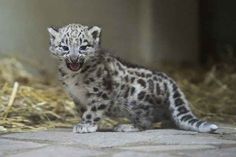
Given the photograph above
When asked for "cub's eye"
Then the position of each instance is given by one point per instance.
(65, 48)
(83, 47)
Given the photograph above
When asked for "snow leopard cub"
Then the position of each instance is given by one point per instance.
(101, 84)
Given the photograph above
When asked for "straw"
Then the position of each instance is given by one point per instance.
(11, 101)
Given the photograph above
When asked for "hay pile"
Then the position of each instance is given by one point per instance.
(26, 102)
(29, 102)
(23, 107)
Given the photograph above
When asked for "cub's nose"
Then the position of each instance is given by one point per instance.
(74, 58)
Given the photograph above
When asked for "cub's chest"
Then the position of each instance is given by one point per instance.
(75, 88)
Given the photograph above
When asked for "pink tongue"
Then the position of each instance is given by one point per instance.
(74, 66)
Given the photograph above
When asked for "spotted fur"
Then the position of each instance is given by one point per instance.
(101, 84)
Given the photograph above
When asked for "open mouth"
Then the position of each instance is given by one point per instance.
(74, 66)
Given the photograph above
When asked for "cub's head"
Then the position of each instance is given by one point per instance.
(74, 43)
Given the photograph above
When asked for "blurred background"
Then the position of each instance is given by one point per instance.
(147, 31)
(192, 40)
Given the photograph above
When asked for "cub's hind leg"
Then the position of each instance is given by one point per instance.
(126, 128)
(140, 114)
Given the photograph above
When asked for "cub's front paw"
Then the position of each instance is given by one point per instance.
(85, 128)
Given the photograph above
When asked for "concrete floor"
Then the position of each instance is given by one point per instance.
(160, 143)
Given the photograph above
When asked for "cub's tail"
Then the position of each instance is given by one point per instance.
(181, 113)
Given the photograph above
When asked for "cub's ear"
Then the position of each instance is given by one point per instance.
(53, 32)
(95, 31)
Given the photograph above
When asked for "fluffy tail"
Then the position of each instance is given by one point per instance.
(181, 113)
